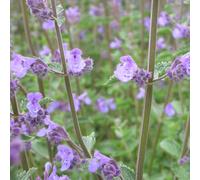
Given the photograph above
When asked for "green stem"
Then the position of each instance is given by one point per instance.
(159, 127)
(148, 94)
(142, 31)
(68, 85)
(186, 138)
(26, 26)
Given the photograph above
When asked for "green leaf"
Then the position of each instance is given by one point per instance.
(60, 16)
(126, 172)
(23, 175)
(55, 66)
(171, 147)
(89, 141)
(40, 148)
(182, 172)
(45, 101)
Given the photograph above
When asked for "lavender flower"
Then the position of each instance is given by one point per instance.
(163, 19)
(126, 69)
(141, 77)
(33, 103)
(56, 105)
(181, 31)
(68, 157)
(55, 133)
(116, 44)
(104, 105)
(96, 10)
(184, 160)
(160, 44)
(84, 98)
(40, 9)
(77, 103)
(106, 165)
(169, 110)
(141, 93)
(45, 51)
(73, 15)
(15, 128)
(16, 147)
(54, 176)
(88, 65)
(13, 87)
(39, 68)
(20, 64)
(180, 68)
(48, 25)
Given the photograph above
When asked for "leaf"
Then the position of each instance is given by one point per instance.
(171, 147)
(45, 101)
(55, 66)
(60, 16)
(126, 172)
(182, 172)
(23, 175)
(89, 141)
(40, 148)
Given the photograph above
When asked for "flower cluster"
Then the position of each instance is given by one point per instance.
(107, 166)
(181, 31)
(48, 25)
(128, 70)
(39, 68)
(115, 44)
(105, 105)
(180, 68)
(53, 175)
(73, 15)
(76, 64)
(79, 101)
(54, 132)
(184, 160)
(20, 64)
(160, 43)
(68, 157)
(163, 19)
(40, 9)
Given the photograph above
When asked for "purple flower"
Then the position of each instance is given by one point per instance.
(114, 25)
(45, 51)
(68, 157)
(181, 31)
(180, 68)
(39, 68)
(141, 77)
(84, 98)
(54, 176)
(57, 56)
(73, 15)
(20, 64)
(40, 9)
(160, 44)
(140, 94)
(184, 160)
(106, 165)
(163, 19)
(100, 29)
(56, 105)
(55, 133)
(48, 25)
(77, 103)
(169, 110)
(33, 103)
(16, 147)
(104, 105)
(147, 23)
(126, 69)
(13, 87)
(75, 62)
(96, 10)
(116, 44)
